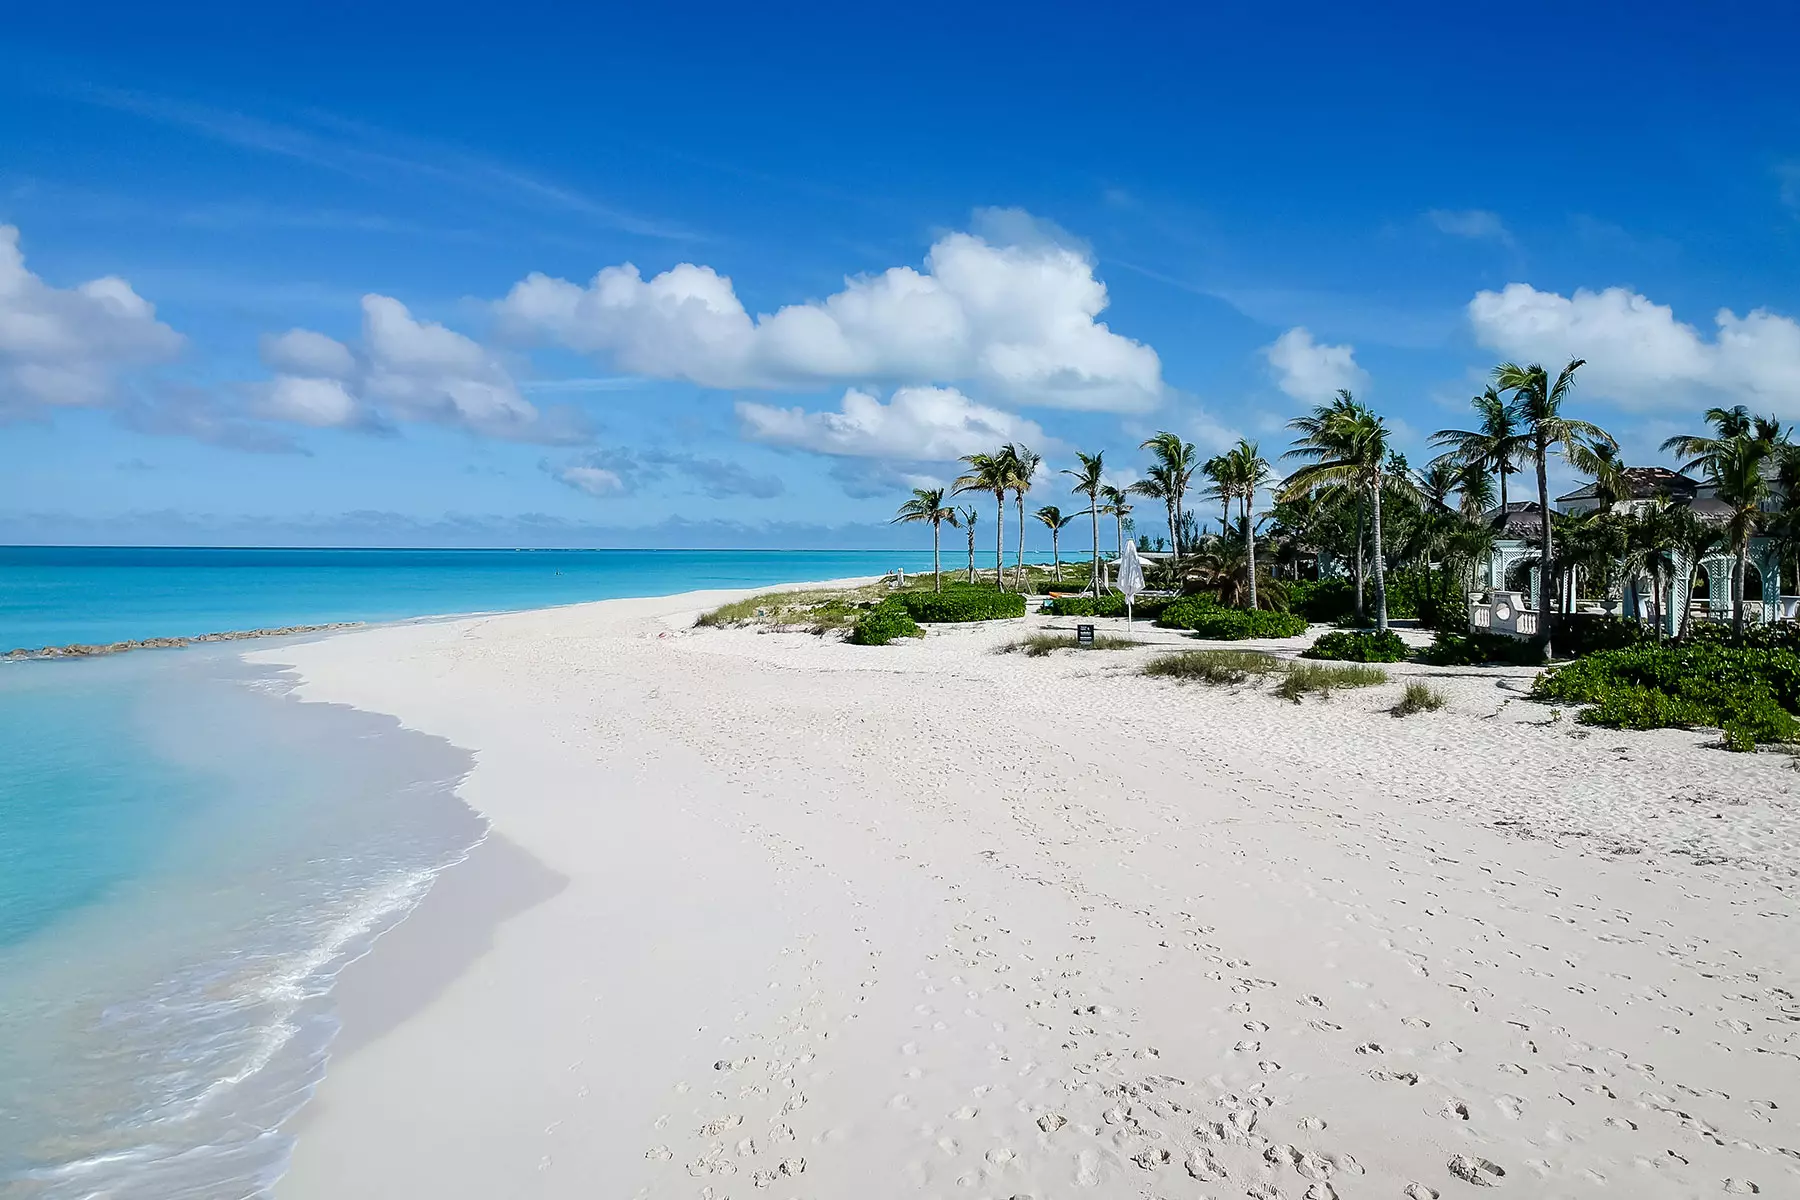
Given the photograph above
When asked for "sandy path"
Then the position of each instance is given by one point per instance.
(928, 921)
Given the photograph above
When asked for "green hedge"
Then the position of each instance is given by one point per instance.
(1208, 620)
(1581, 634)
(1752, 695)
(1322, 600)
(1478, 648)
(1345, 646)
(1110, 605)
(882, 624)
(962, 604)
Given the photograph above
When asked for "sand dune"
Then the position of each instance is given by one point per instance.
(816, 920)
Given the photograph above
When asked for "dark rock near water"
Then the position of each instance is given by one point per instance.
(171, 643)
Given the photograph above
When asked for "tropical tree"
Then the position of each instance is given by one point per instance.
(1337, 433)
(1475, 492)
(1652, 537)
(1088, 482)
(1693, 537)
(964, 518)
(1055, 520)
(927, 504)
(1158, 484)
(1118, 507)
(1217, 470)
(1023, 465)
(1177, 460)
(1246, 472)
(1738, 460)
(1544, 429)
(1493, 445)
(990, 473)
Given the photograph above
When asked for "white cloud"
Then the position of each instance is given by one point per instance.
(409, 370)
(1017, 316)
(595, 481)
(621, 472)
(1476, 224)
(918, 424)
(1308, 371)
(1638, 354)
(67, 346)
(303, 352)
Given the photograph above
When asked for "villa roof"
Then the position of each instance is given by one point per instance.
(1519, 516)
(1644, 482)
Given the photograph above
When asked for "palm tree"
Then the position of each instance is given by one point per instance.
(1216, 469)
(1247, 471)
(1494, 446)
(1651, 541)
(1735, 461)
(1088, 483)
(1023, 465)
(1118, 507)
(1326, 435)
(1348, 446)
(964, 518)
(991, 473)
(927, 504)
(1178, 462)
(1544, 428)
(1693, 537)
(1475, 492)
(1158, 484)
(1056, 522)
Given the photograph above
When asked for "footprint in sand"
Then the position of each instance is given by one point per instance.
(1510, 1106)
(1478, 1171)
(1418, 1191)
(1456, 1108)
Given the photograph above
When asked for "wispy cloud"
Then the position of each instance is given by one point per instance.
(364, 152)
(1475, 224)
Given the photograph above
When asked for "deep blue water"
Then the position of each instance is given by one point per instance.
(56, 596)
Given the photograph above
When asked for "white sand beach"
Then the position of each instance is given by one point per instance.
(768, 914)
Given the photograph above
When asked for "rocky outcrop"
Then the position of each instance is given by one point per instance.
(171, 643)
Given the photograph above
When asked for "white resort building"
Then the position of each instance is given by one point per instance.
(1509, 580)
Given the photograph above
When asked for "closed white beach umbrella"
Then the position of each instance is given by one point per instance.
(1131, 576)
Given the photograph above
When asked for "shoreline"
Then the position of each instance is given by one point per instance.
(768, 909)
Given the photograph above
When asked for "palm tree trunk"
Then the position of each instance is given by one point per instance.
(1546, 552)
(937, 565)
(1056, 552)
(1737, 587)
(1094, 517)
(971, 554)
(1356, 568)
(1019, 562)
(1250, 551)
(1381, 620)
(1503, 474)
(1000, 541)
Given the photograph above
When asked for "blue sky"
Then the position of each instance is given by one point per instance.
(940, 228)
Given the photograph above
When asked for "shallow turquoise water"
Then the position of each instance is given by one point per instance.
(56, 596)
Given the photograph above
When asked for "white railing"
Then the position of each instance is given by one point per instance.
(1502, 612)
(1481, 616)
(1526, 625)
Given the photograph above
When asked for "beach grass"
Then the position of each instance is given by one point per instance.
(1213, 666)
(817, 609)
(1040, 644)
(1417, 698)
(1320, 679)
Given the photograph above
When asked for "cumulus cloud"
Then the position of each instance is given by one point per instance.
(1476, 224)
(407, 370)
(1639, 354)
(1014, 311)
(622, 472)
(1307, 370)
(68, 346)
(917, 424)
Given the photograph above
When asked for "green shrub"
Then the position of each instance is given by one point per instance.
(882, 624)
(1359, 647)
(1315, 678)
(1581, 634)
(1776, 635)
(1478, 648)
(1751, 694)
(1213, 666)
(1112, 604)
(1213, 623)
(962, 604)
(1040, 644)
(1322, 601)
(1418, 697)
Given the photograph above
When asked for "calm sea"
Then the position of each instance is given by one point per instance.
(188, 854)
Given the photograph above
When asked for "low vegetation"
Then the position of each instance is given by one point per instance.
(1146, 608)
(1316, 679)
(883, 623)
(1214, 666)
(1360, 646)
(817, 610)
(1040, 644)
(1478, 648)
(1417, 698)
(1214, 622)
(962, 603)
(1751, 693)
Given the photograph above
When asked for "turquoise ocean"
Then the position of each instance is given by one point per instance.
(189, 855)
